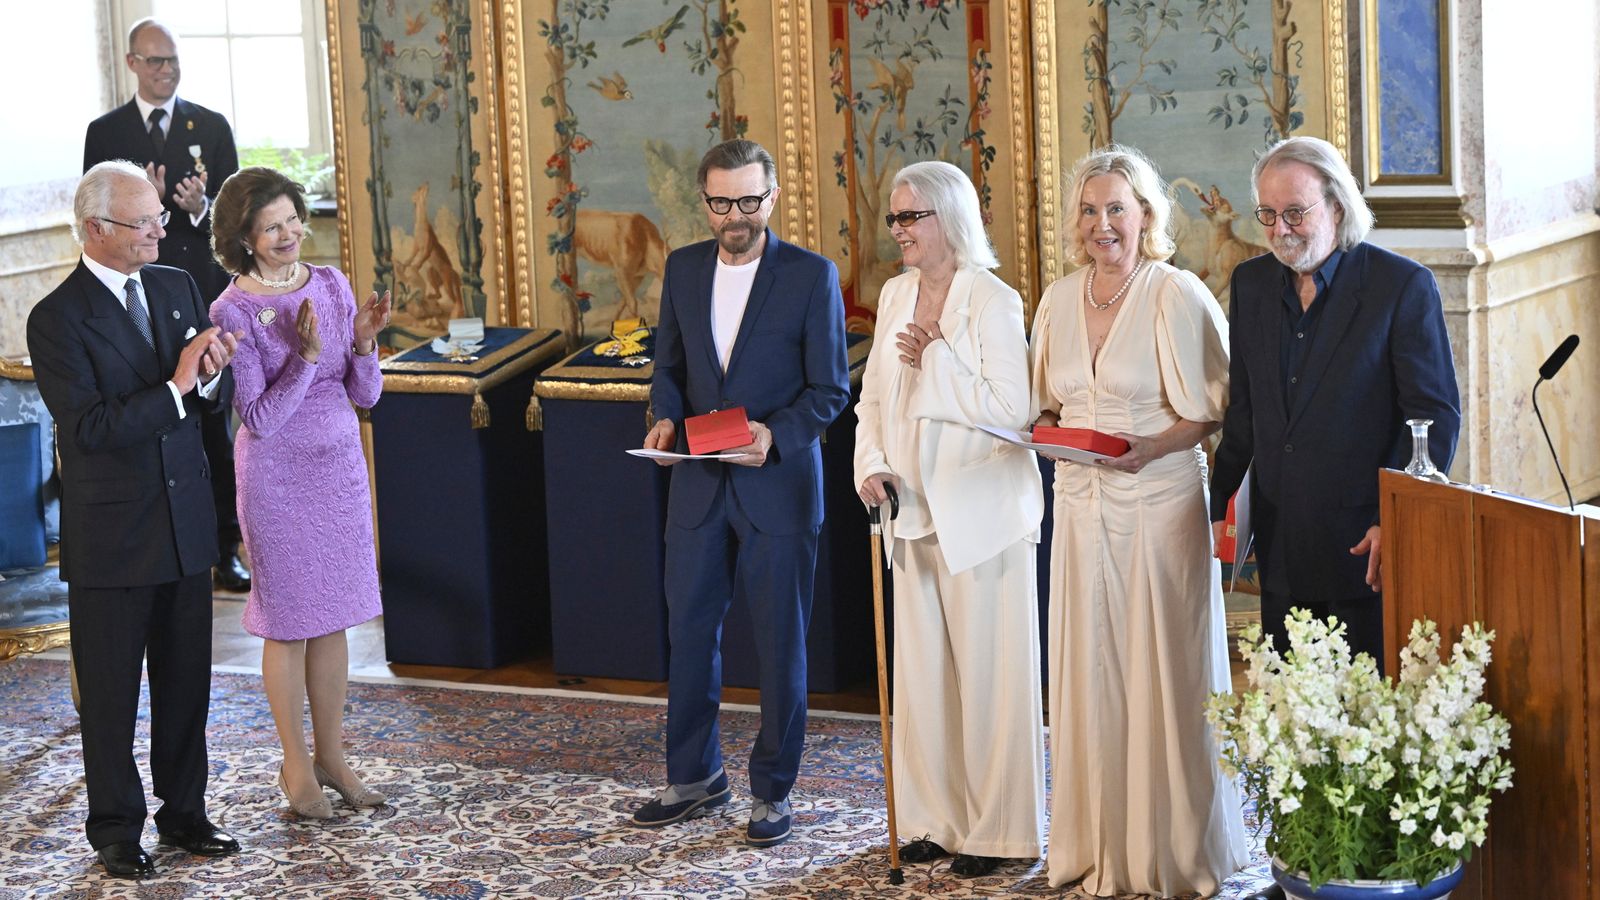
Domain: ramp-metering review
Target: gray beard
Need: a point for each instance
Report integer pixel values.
(734, 243)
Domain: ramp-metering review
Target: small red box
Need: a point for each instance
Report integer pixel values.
(1228, 547)
(717, 431)
(1080, 439)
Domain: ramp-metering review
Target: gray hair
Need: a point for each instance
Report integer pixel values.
(1338, 184)
(736, 154)
(1155, 241)
(949, 193)
(93, 198)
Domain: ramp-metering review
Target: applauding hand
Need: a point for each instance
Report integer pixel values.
(305, 325)
(371, 318)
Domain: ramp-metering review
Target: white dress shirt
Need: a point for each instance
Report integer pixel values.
(114, 282)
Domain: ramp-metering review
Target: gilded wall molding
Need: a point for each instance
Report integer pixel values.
(1046, 169)
(519, 201)
(1338, 75)
(797, 119)
(1021, 145)
(491, 101)
(34, 639)
(341, 144)
(1418, 212)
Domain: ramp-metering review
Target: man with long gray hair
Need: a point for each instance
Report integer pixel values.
(126, 360)
(1335, 344)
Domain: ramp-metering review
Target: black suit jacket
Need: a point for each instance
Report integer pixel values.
(122, 134)
(1381, 356)
(136, 505)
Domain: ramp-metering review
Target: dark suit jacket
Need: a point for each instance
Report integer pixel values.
(136, 503)
(122, 134)
(1381, 356)
(788, 370)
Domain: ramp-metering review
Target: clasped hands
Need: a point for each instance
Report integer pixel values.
(664, 436)
(189, 194)
(204, 358)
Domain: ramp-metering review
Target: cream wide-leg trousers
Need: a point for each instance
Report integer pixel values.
(968, 737)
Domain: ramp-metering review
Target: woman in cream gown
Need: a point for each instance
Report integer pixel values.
(1131, 346)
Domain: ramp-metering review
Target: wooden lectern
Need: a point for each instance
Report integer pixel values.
(1457, 555)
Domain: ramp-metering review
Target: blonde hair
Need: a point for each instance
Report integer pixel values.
(1155, 241)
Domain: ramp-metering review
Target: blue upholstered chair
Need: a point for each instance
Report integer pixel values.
(33, 600)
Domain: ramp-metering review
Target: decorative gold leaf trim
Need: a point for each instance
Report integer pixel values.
(15, 370)
(797, 141)
(33, 639)
(610, 391)
(1048, 170)
(1021, 140)
(341, 147)
(516, 174)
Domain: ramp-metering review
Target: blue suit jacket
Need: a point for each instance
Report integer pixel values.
(136, 505)
(788, 370)
(1382, 356)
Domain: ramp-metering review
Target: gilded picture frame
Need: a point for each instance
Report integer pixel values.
(418, 173)
(1201, 88)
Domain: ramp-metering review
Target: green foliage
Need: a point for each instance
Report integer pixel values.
(312, 172)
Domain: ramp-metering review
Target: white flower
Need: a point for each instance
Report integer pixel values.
(1408, 826)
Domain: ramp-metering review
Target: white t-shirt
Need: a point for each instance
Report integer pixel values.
(730, 292)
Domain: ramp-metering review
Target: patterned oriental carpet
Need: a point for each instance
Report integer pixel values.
(493, 793)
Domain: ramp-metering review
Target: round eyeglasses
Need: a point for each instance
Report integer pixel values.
(747, 205)
(1292, 216)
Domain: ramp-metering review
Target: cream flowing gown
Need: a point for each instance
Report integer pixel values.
(1136, 629)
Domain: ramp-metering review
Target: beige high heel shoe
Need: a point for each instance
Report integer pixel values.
(319, 808)
(359, 796)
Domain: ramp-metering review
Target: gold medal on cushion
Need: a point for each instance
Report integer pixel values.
(627, 342)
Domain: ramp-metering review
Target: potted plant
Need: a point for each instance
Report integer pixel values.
(1367, 784)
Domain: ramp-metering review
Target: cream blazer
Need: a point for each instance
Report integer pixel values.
(983, 494)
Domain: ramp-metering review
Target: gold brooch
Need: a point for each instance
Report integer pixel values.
(267, 316)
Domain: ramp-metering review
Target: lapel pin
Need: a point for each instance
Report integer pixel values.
(175, 314)
(267, 316)
(190, 123)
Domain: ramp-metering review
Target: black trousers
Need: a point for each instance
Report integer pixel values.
(114, 630)
(1362, 617)
(218, 442)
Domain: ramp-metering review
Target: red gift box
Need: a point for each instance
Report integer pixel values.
(1080, 439)
(717, 431)
(1228, 547)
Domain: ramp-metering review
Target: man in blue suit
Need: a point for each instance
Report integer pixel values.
(1335, 344)
(746, 320)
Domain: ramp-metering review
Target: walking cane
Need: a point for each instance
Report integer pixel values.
(895, 875)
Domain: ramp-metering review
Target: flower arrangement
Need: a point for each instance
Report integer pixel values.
(1361, 777)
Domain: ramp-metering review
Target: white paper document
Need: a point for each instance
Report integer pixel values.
(667, 454)
(1020, 438)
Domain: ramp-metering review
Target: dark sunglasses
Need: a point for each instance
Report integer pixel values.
(747, 205)
(906, 216)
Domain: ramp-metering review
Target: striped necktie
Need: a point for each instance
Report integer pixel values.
(137, 312)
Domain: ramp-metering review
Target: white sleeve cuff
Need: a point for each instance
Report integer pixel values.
(177, 398)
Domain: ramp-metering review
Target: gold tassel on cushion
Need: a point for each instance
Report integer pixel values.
(535, 417)
(480, 412)
(649, 416)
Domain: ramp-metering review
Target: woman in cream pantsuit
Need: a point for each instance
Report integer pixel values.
(1132, 346)
(950, 354)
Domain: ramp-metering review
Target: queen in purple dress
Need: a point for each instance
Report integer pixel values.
(307, 357)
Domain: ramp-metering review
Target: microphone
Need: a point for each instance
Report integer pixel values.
(1546, 372)
(1559, 358)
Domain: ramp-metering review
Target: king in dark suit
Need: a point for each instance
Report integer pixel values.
(746, 321)
(126, 360)
(1335, 344)
(188, 152)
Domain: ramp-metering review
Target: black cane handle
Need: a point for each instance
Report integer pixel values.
(894, 505)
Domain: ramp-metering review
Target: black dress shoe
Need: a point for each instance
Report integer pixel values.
(231, 574)
(922, 850)
(974, 866)
(126, 859)
(1270, 892)
(204, 839)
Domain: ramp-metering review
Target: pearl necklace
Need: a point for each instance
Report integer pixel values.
(1088, 290)
(294, 275)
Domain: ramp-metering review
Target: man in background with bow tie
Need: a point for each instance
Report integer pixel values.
(126, 359)
(187, 152)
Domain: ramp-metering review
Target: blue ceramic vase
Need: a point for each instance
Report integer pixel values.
(1299, 889)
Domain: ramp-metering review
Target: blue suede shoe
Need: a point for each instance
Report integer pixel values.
(677, 802)
(770, 823)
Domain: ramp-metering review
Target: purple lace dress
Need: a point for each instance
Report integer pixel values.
(304, 508)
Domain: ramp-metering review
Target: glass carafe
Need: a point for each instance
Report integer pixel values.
(1421, 463)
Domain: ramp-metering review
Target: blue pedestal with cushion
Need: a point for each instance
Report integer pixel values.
(33, 599)
(460, 501)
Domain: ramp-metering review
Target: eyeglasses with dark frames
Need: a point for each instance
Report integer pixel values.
(142, 224)
(1292, 216)
(156, 62)
(747, 205)
(905, 217)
